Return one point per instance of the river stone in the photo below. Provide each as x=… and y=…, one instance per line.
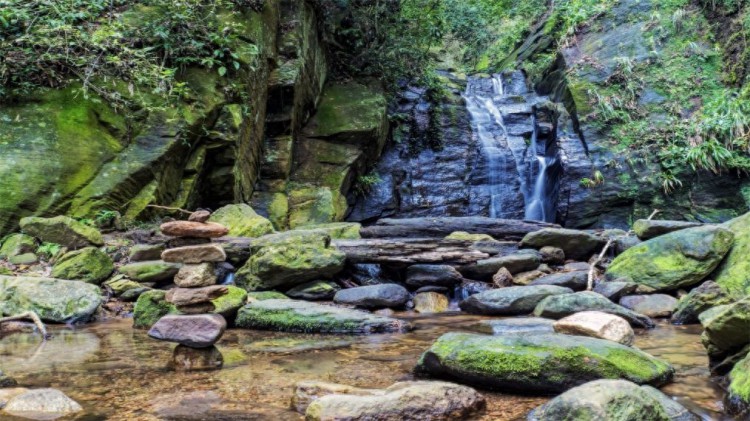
x=145, y=252
x=373, y=296
x=412, y=401
x=619, y=400
x=62, y=230
x=727, y=327
x=54, y=300
x=518, y=262
x=42, y=404
x=526, y=278
x=185, y=358
x=552, y=255
x=707, y=295
x=202, y=253
x=9, y=393
x=196, y=275
x=242, y=221
x=734, y=272
x=672, y=261
x=6, y=381
x=576, y=266
x=511, y=300
x=574, y=280
x=465, y=236
x=308, y=317
x=652, y=305
x=192, y=296
x=430, y=302
x=597, y=325
x=196, y=331
x=503, y=278
x=24, y=259
x=647, y=229
x=615, y=289
x=307, y=391
x=737, y=399
x=421, y=275
x=575, y=244
x=541, y=363
x=515, y=326
x=199, y=216
x=151, y=271
x=88, y=264
x=193, y=229
x=314, y=291
x=559, y=306
x=17, y=244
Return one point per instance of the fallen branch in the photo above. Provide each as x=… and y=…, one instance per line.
x=596, y=261
x=170, y=208
x=29, y=315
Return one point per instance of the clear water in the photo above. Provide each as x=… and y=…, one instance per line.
x=118, y=373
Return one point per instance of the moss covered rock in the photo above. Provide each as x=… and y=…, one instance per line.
x=228, y=304
x=242, y=221
x=54, y=300
x=734, y=272
x=675, y=260
x=303, y=316
x=339, y=230
x=737, y=400
x=254, y=296
x=707, y=295
x=150, y=271
x=546, y=363
x=466, y=236
x=120, y=284
x=150, y=307
x=62, y=230
x=726, y=327
x=87, y=264
x=315, y=290
x=576, y=244
x=17, y=244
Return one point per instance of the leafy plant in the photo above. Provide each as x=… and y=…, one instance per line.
x=105, y=218
x=366, y=182
x=49, y=249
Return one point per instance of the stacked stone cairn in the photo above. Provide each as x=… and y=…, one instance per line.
x=196, y=329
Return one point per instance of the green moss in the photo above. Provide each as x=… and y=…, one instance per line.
x=88, y=265
x=242, y=221
x=734, y=273
x=465, y=236
x=265, y=295
x=228, y=304
x=150, y=307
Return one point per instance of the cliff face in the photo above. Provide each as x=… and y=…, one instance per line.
x=64, y=152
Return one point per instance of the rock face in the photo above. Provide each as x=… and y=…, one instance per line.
x=737, y=400
x=373, y=296
x=419, y=400
x=87, y=264
x=707, y=295
x=734, y=272
x=150, y=271
x=510, y=300
x=421, y=275
x=546, y=363
x=654, y=305
x=202, y=253
x=557, y=307
x=597, y=325
x=647, y=229
x=612, y=400
x=314, y=291
x=242, y=221
x=574, y=280
x=193, y=229
x=515, y=326
x=672, y=261
x=62, y=230
x=302, y=316
x=576, y=244
x=196, y=331
x=42, y=402
x=54, y=300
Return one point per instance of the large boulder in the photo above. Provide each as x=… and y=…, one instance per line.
x=672, y=261
x=289, y=259
x=510, y=300
x=17, y=244
x=54, y=300
x=576, y=244
x=709, y=294
x=373, y=296
x=242, y=221
x=652, y=305
x=42, y=404
x=421, y=275
x=597, y=324
x=559, y=306
x=307, y=317
x=420, y=400
x=616, y=400
x=62, y=230
x=88, y=264
x=726, y=328
x=737, y=399
x=647, y=229
x=734, y=272
x=541, y=363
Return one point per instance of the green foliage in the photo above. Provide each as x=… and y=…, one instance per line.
x=366, y=182
x=48, y=250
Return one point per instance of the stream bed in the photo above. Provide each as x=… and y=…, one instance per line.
x=118, y=373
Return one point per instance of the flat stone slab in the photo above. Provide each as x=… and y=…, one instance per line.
x=193, y=229
x=373, y=296
x=202, y=253
x=597, y=324
x=42, y=404
x=197, y=331
x=192, y=296
x=515, y=326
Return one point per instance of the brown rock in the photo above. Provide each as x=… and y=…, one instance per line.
x=201, y=308
x=185, y=358
x=199, y=216
x=186, y=241
x=503, y=278
x=430, y=302
x=196, y=275
x=197, y=331
x=191, y=296
x=195, y=254
x=193, y=229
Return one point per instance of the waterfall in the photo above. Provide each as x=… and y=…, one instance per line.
x=539, y=206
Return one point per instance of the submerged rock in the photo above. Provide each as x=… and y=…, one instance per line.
x=242, y=221
x=706, y=296
x=672, y=261
x=559, y=306
x=515, y=326
x=87, y=264
x=430, y=302
x=54, y=300
x=41, y=403
x=314, y=291
x=196, y=331
x=647, y=229
x=62, y=230
x=373, y=296
x=575, y=244
x=734, y=272
x=305, y=392
x=652, y=305
x=185, y=358
x=545, y=363
x=307, y=317
x=510, y=300
x=612, y=400
x=597, y=325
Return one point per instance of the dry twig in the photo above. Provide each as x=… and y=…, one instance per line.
x=29, y=315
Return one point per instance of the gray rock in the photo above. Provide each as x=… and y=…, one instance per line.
x=559, y=306
x=511, y=300
x=654, y=305
x=576, y=244
x=24, y=259
x=54, y=300
x=515, y=326
x=647, y=229
x=418, y=276
x=314, y=291
x=145, y=252
x=552, y=255
x=597, y=324
x=706, y=296
x=17, y=244
x=576, y=266
x=521, y=261
x=62, y=230
x=42, y=403
x=196, y=331
x=615, y=289
x=373, y=296
x=574, y=280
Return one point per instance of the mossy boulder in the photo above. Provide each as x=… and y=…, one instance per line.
x=254, y=296
x=734, y=272
x=737, y=400
x=228, y=304
x=538, y=363
x=242, y=221
x=310, y=205
x=62, y=230
x=647, y=229
x=675, y=260
x=150, y=307
x=511, y=300
x=726, y=328
x=707, y=295
x=120, y=284
x=307, y=317
x=559, y=306
x=338, y=230
x=54, y=300
x=17, y=244
x=150, y=271
x=87, y=264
